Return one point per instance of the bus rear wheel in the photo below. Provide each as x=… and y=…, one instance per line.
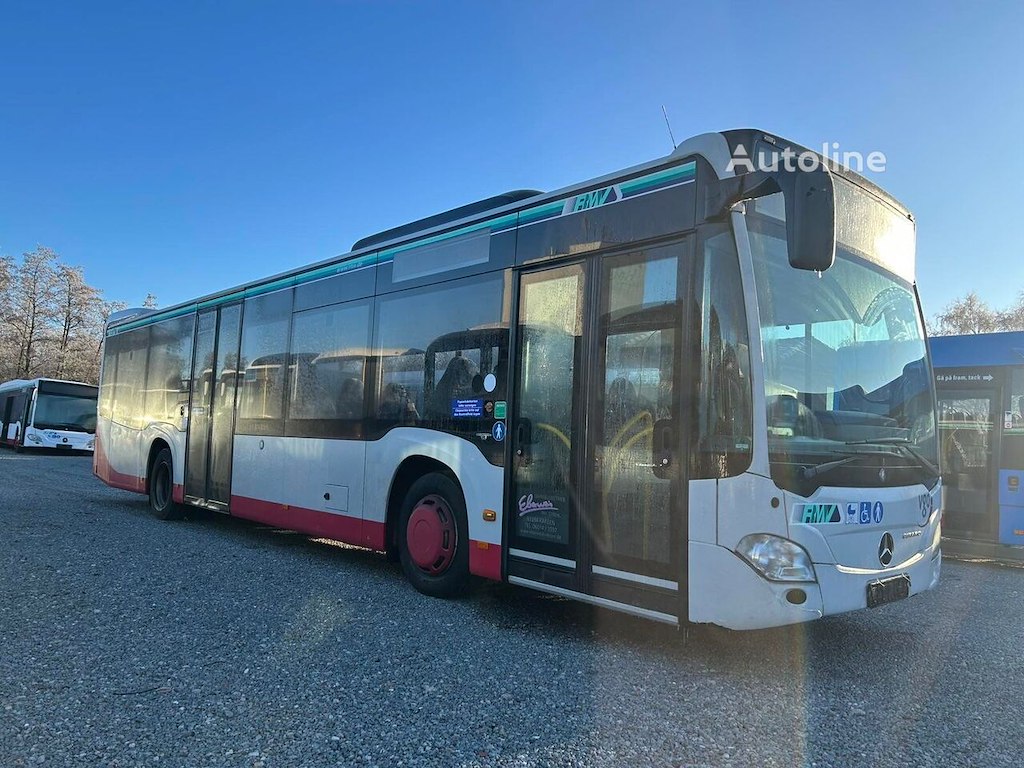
x=433, y=537
x=161, y=487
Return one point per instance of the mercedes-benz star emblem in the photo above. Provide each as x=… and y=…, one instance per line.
x=885, y=547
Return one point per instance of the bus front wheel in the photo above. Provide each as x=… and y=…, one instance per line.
x=161, y=487
x=433, y=537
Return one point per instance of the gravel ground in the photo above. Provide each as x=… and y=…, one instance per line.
x=125, y=641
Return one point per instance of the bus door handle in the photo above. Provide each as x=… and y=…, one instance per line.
x=524, y=437
x=662, y=447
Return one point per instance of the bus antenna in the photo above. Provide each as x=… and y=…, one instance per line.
x=669, y=126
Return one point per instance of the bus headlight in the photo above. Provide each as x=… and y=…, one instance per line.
x=777, y=559
x=34, y=439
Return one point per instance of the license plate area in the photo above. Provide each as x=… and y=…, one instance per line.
x=888, y=590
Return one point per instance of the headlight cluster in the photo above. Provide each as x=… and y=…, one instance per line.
x=34, y=439
x=776, y=558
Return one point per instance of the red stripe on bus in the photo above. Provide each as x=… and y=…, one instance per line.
x=178, y=493
x=109, y=475
x=351, y=530
x=485, y=559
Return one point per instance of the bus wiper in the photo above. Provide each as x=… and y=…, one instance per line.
x=828, y=466
x=904, y=443
x=63, y=425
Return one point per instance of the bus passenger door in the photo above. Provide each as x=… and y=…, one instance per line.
x=597, y=476
x=545, y=429
x=211, y=417
x=967, y=431
x=636, y=425
x=5, y=421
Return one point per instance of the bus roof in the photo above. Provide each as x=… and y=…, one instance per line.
x=455, y=214
x=977, y=349
x=19, y=383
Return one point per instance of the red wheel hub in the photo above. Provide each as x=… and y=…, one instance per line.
x=431, y=535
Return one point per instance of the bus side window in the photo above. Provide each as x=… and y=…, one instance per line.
x=501, y=376
x=350, y=398
x=724, y=420
x=455, y=383
x=397, y=405
x=329, y=349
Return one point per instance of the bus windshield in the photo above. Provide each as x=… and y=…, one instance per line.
x=846, y=371
x=70, y=412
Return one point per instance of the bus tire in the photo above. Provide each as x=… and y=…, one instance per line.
x=433, y=537
x=161, y=487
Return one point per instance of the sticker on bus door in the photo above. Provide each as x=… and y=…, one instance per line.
x=543, y=516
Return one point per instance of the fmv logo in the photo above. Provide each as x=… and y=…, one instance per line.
x=821, y=513
x=594, y=199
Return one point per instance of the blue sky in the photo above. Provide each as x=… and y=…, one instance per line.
x=181, y=148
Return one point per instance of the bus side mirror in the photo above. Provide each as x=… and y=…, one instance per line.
x=810, y=217
x=810, y=209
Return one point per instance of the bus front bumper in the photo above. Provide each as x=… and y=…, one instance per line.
x=726, y=590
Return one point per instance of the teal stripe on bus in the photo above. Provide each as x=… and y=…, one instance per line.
x=151, y=319
x=531, y=215
x=680, y=173
x=221, y=300
x=500, y=222
x=306, y=277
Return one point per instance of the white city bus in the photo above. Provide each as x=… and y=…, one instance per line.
x=689, y=390
x=48, y=413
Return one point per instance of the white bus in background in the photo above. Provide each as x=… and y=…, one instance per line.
x=48, y=413
x=682, y=391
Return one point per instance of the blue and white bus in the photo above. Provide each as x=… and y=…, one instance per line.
x=48, y=413
x=689, y=390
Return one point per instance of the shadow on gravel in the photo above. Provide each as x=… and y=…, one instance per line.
x=832, y=641
x=253, y=535
x=31, y=453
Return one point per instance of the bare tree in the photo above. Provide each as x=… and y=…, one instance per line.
x=75, y=302
x=967, y=315
x=971, y=314
x=51, y=320
x=1012, y=318
x=150, y=302
x=7, y=335
x=6, y=276
x=32, y=301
